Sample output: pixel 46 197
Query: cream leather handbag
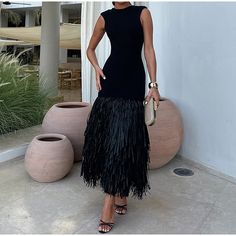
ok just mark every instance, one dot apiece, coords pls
pixel 150 112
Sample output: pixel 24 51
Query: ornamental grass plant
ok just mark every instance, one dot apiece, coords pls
pixel 22 102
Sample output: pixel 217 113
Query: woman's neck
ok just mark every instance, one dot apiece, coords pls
pixel 122 5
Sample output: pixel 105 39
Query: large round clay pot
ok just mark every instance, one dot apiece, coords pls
pixel 49 157
pixel 69 119
pixel 166 134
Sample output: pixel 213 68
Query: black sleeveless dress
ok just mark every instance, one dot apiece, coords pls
pixel 116 147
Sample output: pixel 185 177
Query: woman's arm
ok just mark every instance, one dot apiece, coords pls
pixel 97 35
pixel 149 52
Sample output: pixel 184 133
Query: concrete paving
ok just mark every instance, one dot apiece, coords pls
pixel 202 203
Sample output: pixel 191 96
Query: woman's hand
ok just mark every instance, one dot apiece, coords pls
pixel 153 92
pixel 99 73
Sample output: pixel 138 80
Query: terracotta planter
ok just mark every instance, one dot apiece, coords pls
pixel 69 119
pixel 166 134
pixel 49 157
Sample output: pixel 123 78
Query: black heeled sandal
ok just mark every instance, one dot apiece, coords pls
pixel 123 207
pixel 110 224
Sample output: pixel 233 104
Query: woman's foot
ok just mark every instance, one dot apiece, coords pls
pixel 121 205
pixel 107 218
pixel 103 226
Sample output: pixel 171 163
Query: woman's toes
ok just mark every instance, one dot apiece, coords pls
pixel 121 210
pixel 101 228
pixel 104 228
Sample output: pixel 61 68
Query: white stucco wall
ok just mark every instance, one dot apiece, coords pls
pixel 196 51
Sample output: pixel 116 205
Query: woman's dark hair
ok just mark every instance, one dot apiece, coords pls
pixel 113 3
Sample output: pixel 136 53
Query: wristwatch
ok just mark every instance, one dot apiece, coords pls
pixel 152 85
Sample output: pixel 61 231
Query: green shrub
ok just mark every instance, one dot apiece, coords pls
pixel 22 102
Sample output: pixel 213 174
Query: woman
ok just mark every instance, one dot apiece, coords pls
pixel 116 147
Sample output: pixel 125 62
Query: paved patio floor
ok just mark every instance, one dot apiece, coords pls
pixel 202 203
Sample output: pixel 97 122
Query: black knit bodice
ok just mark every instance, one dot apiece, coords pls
pixel 124 70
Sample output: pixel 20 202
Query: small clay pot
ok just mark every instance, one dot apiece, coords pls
pixel 49 157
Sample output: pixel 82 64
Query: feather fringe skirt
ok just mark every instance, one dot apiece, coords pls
pixel 116 147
